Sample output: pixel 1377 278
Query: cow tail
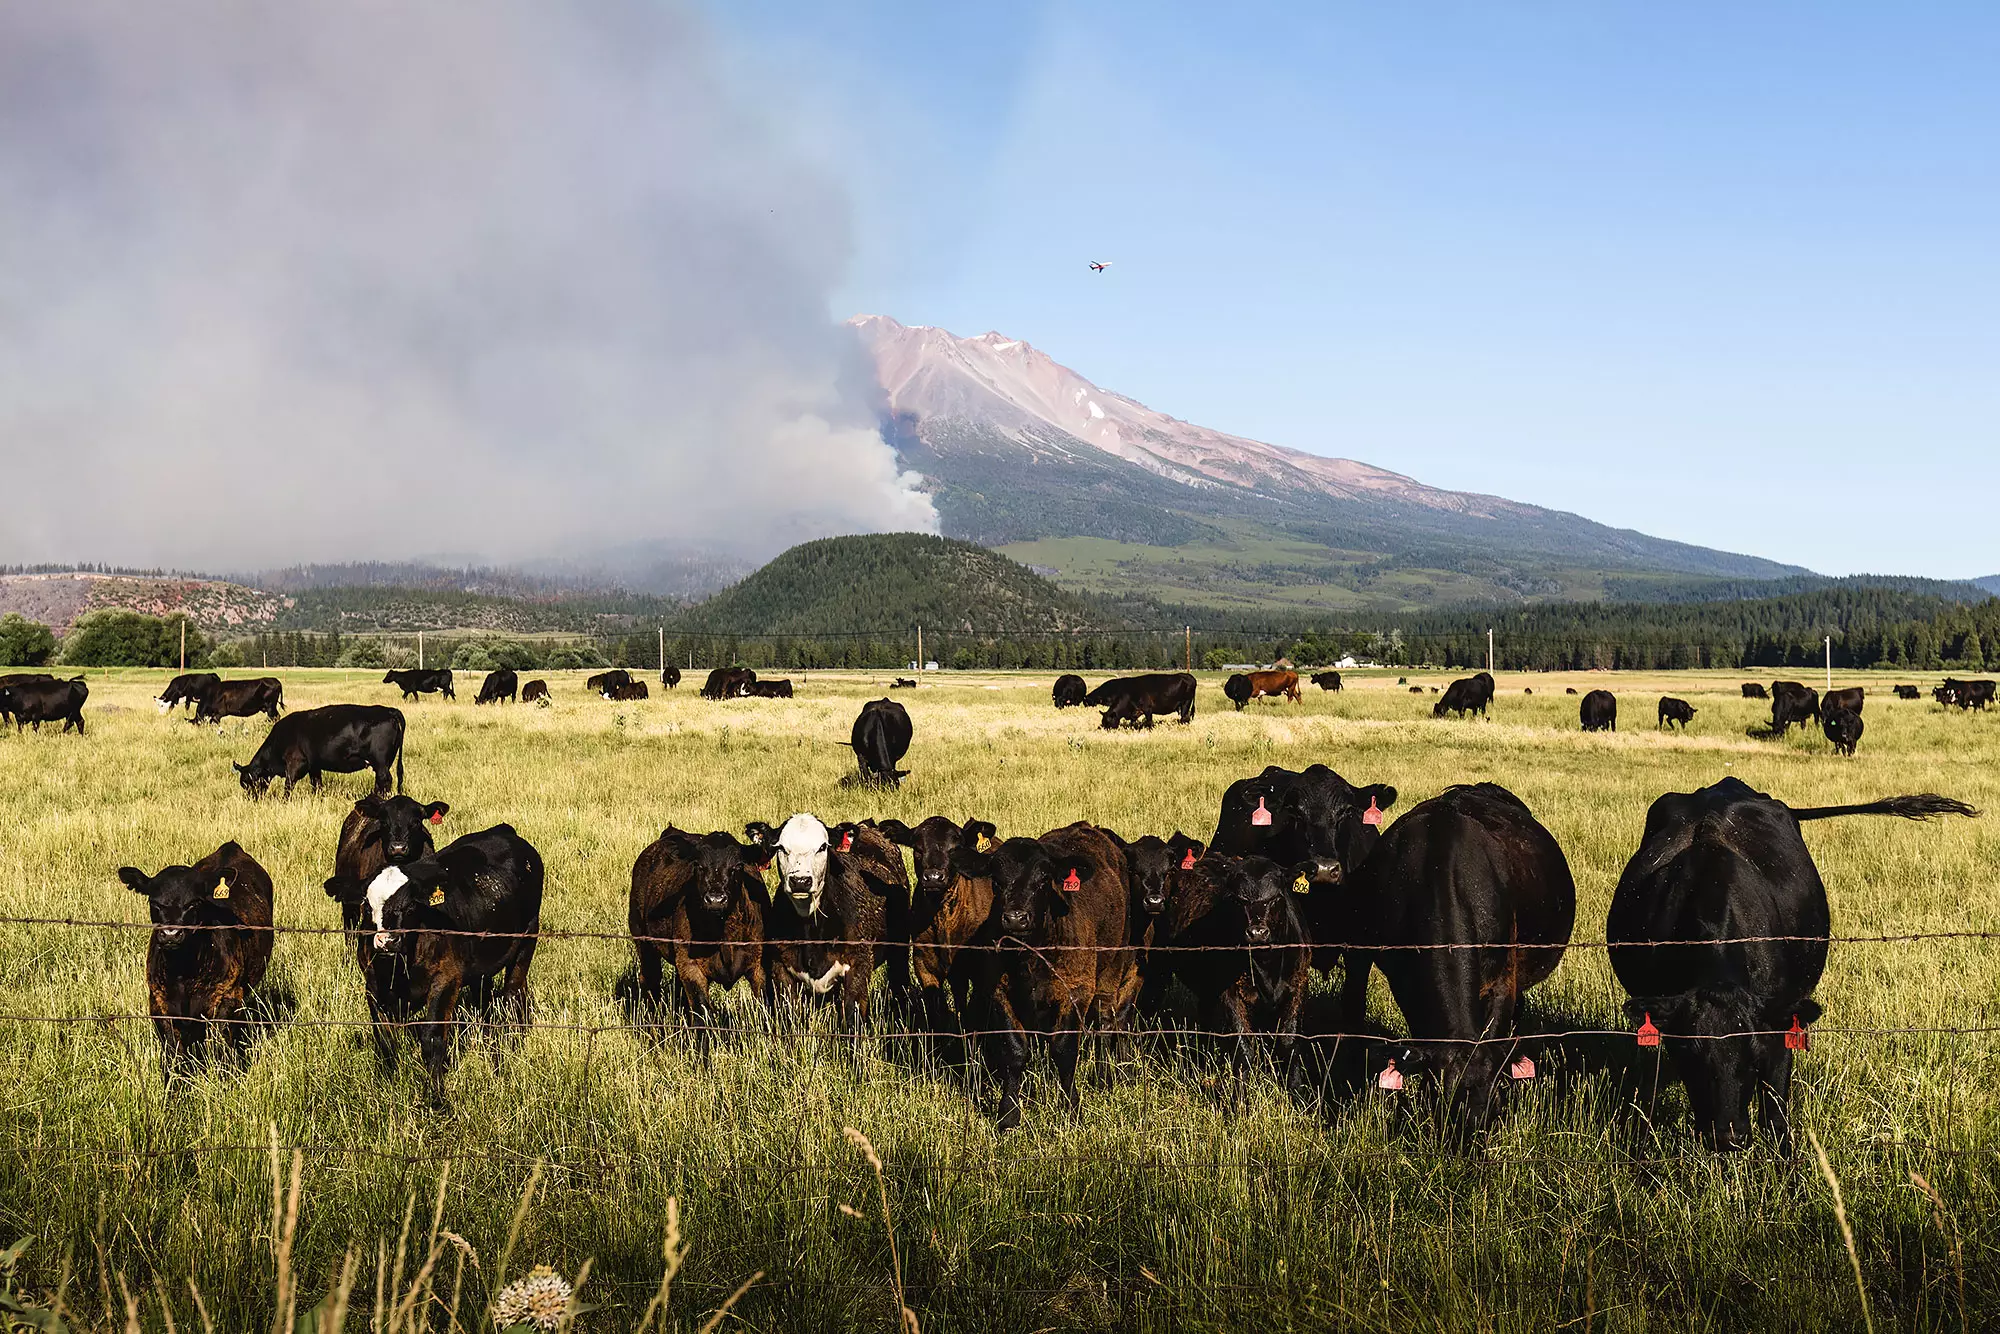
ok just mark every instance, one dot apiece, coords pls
pixel 1921 806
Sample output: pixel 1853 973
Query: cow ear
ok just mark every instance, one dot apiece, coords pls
pixel 1808 1011
pixel 756 855
pixel 1384 794
pixel 1077 867
pixel 895 831
pixel 841 837
pixel 760 833
pixel 979 833
pixel 972 863
pixel 436 811
pixel 1299 879
pixel 345 889
pixel 135 879
pixel 370 806
pixel 1116 841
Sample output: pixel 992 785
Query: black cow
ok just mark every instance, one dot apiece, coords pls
pixel 1471 866
pixel 880 738
pixel 1849 698
pixel 240 699
pixel 902 683
pixel 1599 711
pixel 422 681
pixel 1326 680
pixel 767 689
pixel 1468 694
pixel 1967 694
pixel 627 690
pixel 1906 692
pixel 1751 690
pixel 697 912
pixel 28 678
pixel 604 681
pixel 728 683
pixel 378 833
pixel 1569 690
pixel 210 946
pixel 48 701
pixel 183 689
pixel 501 683
pixel 1726 866
pixel 1069 690
pixel 335 738
pixel 670 676
pixel 1843 728
pixel 487 882
pixel 1154 868
pixel 1675 711
pixel 534 690
pixel 947 911
pixel 1792 702
pixel 1135 699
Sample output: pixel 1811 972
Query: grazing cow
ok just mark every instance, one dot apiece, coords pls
pixel 1246 686
pixel 48 701
pixel 902 683
pixel 627 690
pixel 827 926
pixel 670 676
pixel 1906 692
pixel 1792 703
pixel 1468 694
pixel 728 683
pixel 334 738
pixel 880 738
pixel 1471 866
pixel 1069 690
pixel 240 699
pixel 210 945
pixel 1751 690
pixel 1060 908
pixel 183 689
pixel 1135 699
pixel 778 689
pixel 948 910
pixel 1569 690
pixel 1527 690
pixel 534 690
pixel 488 882
pixel 698 906
pixel 1326 680
pixel 501 683
pixel 1154 868
pixel 378 833
pixel 1842 727
pixel 422 681
pixel 1726 866
pixel 1847 697
pixel 1599 711
pixel 604 681
pixel 1416 690
pixel 1675 711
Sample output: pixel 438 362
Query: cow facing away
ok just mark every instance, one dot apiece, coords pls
pixel 728 683
pixel 534 690
pixel 1470 867
pixel 1469 694
pixel 1725 868
pixel 1069 690
pixel 1792 702
pixel 1751 690
pixel 1843 728
pixel 1246 686
pixel 1675 711
pixel 422 681
pixel 50 701
pixel 1326 680
pixel 670 676
pixel 183 689
pixel 1906 692
pixel 880 738
pixel 1135 699
pixel 769 689
pixel 210 947
pixel 500 684
pixel 827 927
pixel 335 738
pixel 697 909
pixel 1599 711
pixel 240 699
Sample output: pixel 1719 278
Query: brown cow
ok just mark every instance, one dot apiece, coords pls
pixel 210 946
pixel 698 904
pixel 378 833
pixel 947 911
pixel 1060 910
pixel 628 691
pixel 1155 869
pixel 827 925
pixel 1246 686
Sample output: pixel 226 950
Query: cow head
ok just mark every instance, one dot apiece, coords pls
pixel 402 826
pixel 1320 817
pixel 1154 863
pixel 1032 881
pixel 722 866
pixel 254 777
pixel 388 678
pixel 402 900
pixel 932 845
pixel 1726 1046
pixel 1252 898
pixel 183 900
pixel 802 845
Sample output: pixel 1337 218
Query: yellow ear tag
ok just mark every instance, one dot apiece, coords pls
pixel 437 896
pixel 986 843
pixel 1301 885
pixel 221 890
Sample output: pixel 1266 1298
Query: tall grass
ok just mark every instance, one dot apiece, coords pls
pixel 1166 1204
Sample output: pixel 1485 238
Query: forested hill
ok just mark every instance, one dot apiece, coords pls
pixel 887 583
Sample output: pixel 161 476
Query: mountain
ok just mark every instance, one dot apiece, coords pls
pixel 1989 582
pixel 1024 454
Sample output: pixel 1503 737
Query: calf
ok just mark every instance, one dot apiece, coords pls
pixel 698 905
pixel 604 681
pixel 628 690
pixel 1726 867
pixel 501 683
pixel 335 738
pixel 948 911
pixel 533 691
pixel 1326 680
pixel 210 945
pixel 1842 727
pixel 1675 711
pixel 1847 697
pixel 1069 690
pixel 1906 692
pixel 183 689
pixel 1792 703
pixel 670 676
pixel 880 738
pixel 728 683
pixel 1470 694
pixel 1246 686
pixel 778 689
pixel 1470 866
pixel 378 833
pixel 827 924
pixel 448 921
pixel 48 701
pixel 1060 907
pixel 1599 711
pixel 240 699
pixel 421 681
pixel 1751 690
pixel 1154 869
pixel 1135 699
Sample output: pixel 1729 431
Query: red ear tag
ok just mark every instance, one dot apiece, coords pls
pixel 1187 860
pixel 437 817
pixel 1391 1078
pixel 1070 883
pixel 1523 1068
pixel 1798 1039
pixel 1260 816
pixel 1373 815
pixel 1649 1036
pixel 846 839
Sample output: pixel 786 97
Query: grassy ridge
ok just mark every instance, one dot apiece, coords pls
pixel 1161 1207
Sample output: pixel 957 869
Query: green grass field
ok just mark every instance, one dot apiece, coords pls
pixel 1163 1206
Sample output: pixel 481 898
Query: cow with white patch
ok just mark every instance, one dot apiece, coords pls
pixel 827 926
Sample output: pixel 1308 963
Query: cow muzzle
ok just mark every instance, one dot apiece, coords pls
pixel 171 936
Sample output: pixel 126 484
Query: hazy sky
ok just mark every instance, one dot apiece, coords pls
pixel 1725 273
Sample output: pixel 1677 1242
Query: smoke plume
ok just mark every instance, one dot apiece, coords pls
pixel 289 282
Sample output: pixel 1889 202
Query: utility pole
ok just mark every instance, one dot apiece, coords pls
pixel 184 644
pixel 1829 662
pixel 663 650
pixel 420 650
pixel 1187 643
pixel 1489 648
pixel 920 649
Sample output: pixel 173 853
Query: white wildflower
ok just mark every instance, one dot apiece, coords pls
pixel 539 1301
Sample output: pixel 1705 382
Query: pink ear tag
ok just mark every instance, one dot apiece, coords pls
pixel 1523 1068
pixel 1391 1078
pixel 1649 1036
pixel 1373 815
pixel 1260 816
pixel 1070 883
pixel 1798 1039
pixel 1187 860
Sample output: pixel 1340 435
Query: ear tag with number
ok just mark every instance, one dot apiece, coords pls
pixel 1649 1036
pixel 437 896
pixel 1798 1039
pixel 1301 885
pixel 1187 860
pixel 986 843
pixel 1260 816
pixel 846 840
pixel 1391 1078
pixel 1373 815
pixel 1070 882
pixel 221 890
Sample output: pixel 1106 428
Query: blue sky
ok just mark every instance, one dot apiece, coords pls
pixel 1724 273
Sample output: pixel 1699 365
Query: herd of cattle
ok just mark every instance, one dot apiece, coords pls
pixel 1718 931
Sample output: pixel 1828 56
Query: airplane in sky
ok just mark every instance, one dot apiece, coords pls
pixel 1099 265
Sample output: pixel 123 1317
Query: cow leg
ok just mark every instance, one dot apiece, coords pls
pixel 1230 1019
pixel 650 995
pixel 289 782
pixel 1007 1055
pixel 436 1030
pixel 693 987
pixel 173 1047
pixel 1355 966
pixel 514 989
pixel 942 1031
